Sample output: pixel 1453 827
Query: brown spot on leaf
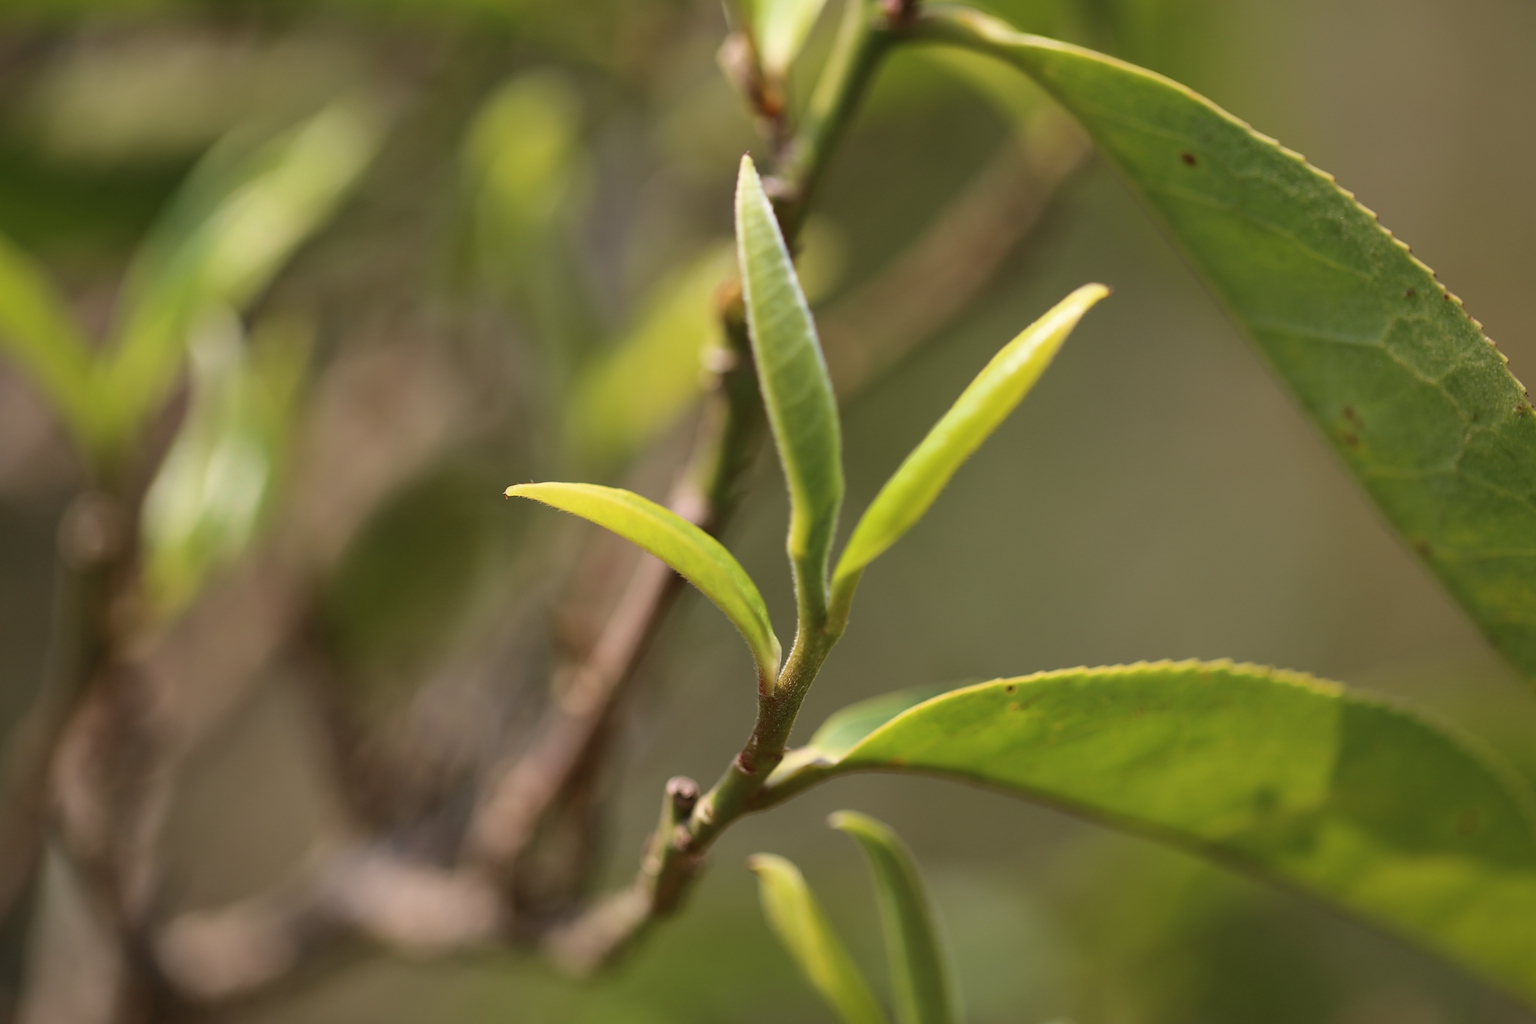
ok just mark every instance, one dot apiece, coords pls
pixel 1013 705
pixel 1422 547
pixel 1350 438
pixel 1188 158
pixel 1009 688
pixel 1410 293
pixel 1468 822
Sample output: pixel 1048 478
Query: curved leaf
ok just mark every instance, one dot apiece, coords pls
pixel 232 229
pixel 1410 393
pixel 797 919
pixel 979 410
pixel 694 554
pixel 38 332
pixel 797 392
pixel 780 28
pixel 1362 804
pixel 919 977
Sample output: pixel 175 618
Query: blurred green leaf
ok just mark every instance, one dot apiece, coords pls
pixel 1413 397
pixel 797 392
pixel 41 335
pixel 232 229
pixel 798 920
pixel 631 393
pixel 206 501
pixel 780 28
pixel 694 554
pixel 919 976
pixel 524 153
pixel 1362 804
pixel 979 410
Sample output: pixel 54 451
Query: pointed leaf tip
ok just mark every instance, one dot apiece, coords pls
pixel 797 393
pixel 797 919
pixel 693 554
pixel 979 410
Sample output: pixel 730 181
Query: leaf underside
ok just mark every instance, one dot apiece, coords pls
pixel 1357 802
pixel 797 392
pixel 1413 397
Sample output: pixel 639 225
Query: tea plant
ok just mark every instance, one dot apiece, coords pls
pixel 1369 807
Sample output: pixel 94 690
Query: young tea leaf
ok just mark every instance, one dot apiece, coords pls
pixel 229 233
pixel 694 554
pixel 1362 804
pixel 780 28
pixel 979 410
pixel 1417 402
pixel 797 919
pixel 38 332
pixel 797 392
pixel 919 976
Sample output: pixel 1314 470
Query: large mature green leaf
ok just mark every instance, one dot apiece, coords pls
pixel 797 392
pixel 780 28
pixel 1363 804
pixel 235 225
pixel 919 975
pixel 694 554
pixel 979 410
pixel 800 924
pixel 1411 394
pixel 37 331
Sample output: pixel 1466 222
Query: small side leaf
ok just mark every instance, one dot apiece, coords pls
pixel 37 331
pixel 694 554
pixel 979 410
pixel 919 976
pixel 797 919
pixel 780 29
pixel 1366 806
pixel 234 226
pixel 797 392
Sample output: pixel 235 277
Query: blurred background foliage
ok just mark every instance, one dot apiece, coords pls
pixel 541 231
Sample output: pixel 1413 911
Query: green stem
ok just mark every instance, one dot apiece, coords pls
pixel 862 40
pixel 675 853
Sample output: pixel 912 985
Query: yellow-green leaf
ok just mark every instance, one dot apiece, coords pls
pixel 798 920
pixel 1362 804
pixel 979 410
pixel 797 392
pixel 694 554
pixel 919 975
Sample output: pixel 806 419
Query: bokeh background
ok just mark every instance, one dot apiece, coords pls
pixel 1157 495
